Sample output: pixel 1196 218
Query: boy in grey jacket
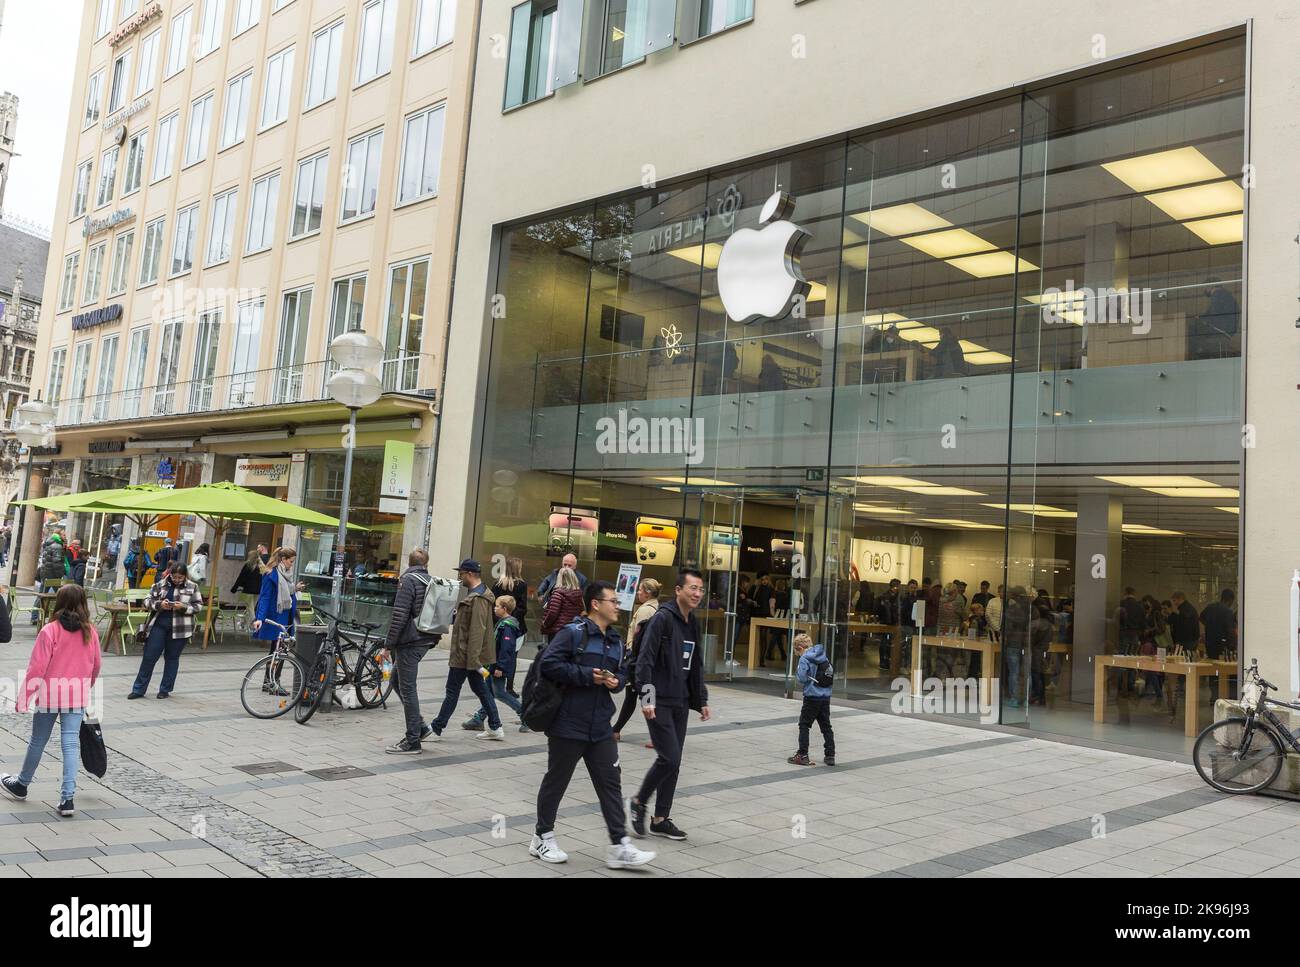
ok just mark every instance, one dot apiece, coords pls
pixel 816 700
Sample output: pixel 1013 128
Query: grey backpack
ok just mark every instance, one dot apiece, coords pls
pixel 440 595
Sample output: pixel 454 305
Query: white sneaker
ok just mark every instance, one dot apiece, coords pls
pixel 625 855
pixel 494 735
pixel 546 849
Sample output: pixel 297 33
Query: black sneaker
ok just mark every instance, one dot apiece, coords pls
pixel 14 788
pixel 404 747
pixel 425 733
pixel 638 819
pixel 666 829
pixel 66 808
pixel 136 695
pixel 828 760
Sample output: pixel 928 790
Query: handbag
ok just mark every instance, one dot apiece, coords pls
pixel 94 754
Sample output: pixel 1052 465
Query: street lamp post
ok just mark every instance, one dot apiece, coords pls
pixel 33 425
pixel 355 386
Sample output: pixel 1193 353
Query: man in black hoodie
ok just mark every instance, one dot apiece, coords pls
pixel 670 672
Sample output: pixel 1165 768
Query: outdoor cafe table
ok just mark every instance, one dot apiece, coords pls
pixel 1194 671
pixel 46 601
pixel 116 612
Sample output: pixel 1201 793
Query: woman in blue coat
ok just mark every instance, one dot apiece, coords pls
pixel 278 600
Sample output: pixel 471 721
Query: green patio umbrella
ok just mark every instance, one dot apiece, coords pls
pixel 218 504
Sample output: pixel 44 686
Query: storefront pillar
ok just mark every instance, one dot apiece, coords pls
pixel 297 492
pixel 1098 584
pixel 416 532
pixel 32 518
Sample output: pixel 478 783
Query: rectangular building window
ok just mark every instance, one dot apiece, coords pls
pixel 169 357
pixel 80 381
pixel 135 149
pixel 323 71
pixel 119 84
pixel 94 273
pixel 292 348
pixel 81 189
pixel 103 17
pixel 544 39
pixel 107 176
pixel 717 15
pixel 129 7
pixel 137 355
pixel 120 277
pixel 375 52
pixel 246 354
pixel 104 377
pixel 408 285
pixel 275 95
pixel 187 223
pixel 151 251
pixel 94 92
pixel 214 19
pixel 178 43
pixel 421 155
pixel 54 384
pixel 346 307
pixel 144 78
pixel 206 337
pixel 247 14
pixel 261 213
pixel 196 138
pixel 221 231
pixel 309 195
pixel 164 152
pixel 361 176
pixel 68 285
pixel 434 21
pixel 234 117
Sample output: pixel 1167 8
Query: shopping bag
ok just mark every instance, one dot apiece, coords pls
pixel 94 754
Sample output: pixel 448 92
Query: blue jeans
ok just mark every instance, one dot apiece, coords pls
pixel 502 695
pixel 69 741
pixel 456 677
pixel 162 645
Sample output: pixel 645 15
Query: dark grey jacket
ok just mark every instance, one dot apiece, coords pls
pixel 402 631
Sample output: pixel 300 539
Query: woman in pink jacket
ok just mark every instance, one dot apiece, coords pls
pixel 62 671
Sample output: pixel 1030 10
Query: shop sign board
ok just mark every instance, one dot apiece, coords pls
pixel 255 472
pixel 395 485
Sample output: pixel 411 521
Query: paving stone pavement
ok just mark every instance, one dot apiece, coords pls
pixel 909 797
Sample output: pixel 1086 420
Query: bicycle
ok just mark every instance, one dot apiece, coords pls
pixel 1245 754
pixel 343 661
pixel 264 692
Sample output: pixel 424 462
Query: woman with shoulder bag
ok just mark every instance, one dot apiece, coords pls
pixel 174 600
pixel 647 599
pixel 249 584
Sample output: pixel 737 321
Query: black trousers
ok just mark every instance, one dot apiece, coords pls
pixel 406 668
pixel 631 699
pixel 602 766
pixel 816 710
pixel 668 733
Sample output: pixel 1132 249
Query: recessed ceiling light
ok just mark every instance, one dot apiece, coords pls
pixel 697 481
pixel 954 522
pixel 1193 491
pixel 1150 531
pixel 991 264
pixel 949 244
pixel 1158 481
pixel 1223 230
pixel 892 481
pixel 1200 200
pixel 902 219
pixel 935 491
pixel 712 251
pixel 1164 169
pixel 1229 510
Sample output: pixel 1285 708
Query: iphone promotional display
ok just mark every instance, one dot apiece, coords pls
pixel 721 548
pixel 572 530
pixel 656 540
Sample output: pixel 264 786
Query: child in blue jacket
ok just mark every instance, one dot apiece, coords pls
pixel 509 634
pixel 813 664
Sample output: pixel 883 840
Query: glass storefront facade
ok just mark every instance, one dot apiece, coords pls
pixel 1018 361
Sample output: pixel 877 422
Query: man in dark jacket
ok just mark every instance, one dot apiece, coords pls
pixel 408 644
pixel 670 672
pixel 1220 625
pixel 586 657
pixel 548 583
pixel 1184 623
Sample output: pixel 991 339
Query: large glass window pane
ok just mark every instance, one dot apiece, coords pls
pixel 375 51
pixel 136 357
pixel 246 354
pixel 291 352
pixel 309 196
pixel 261 214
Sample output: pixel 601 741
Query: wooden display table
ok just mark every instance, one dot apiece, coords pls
pixel 1193 671
pixel 895 640
pixel 987 649
pixel 782 624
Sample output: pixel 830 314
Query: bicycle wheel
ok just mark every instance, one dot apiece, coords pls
pixel 348 657
pixel 1236 757
pixel 272 686
pixel 313 689
pixel 373 687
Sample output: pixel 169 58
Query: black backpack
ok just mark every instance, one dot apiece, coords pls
pixel 541 698
pixel 825 674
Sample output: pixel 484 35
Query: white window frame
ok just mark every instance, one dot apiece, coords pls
pixel 263 199
pixel 104 378
pixel 435 14
pixel 427 116
pixel 397 361
pixel 96 259
pixel 94 93
pixel 104 18
pixel 120 82
pixel 137 365
pixel 154 236
pixel 248 14
pixel 53 384
pixel 239 92
pixel 203 374
pixel 196 141
pixel 148 70
pixel 178 43
pixel 169 364
pixel 68 281
pixel 246 352
pixel 325 77
pixel 211 25
pixel 319 164
pixel 137 148
pixel 381 29
pixel 277 89
pixel 221 227
pixel 82 183
pixel 278 5
pixel 119 278
pixel 107 183
pixel 129 7
pixel 290 370
pixel 355 186
pixel 183 241
pixel 165 148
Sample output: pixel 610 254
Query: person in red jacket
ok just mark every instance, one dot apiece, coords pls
pixel 564 603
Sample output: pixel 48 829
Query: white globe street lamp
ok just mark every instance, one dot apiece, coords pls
pixel 354 386
pixel 33 425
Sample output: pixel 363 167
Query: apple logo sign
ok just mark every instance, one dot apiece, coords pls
pixel 758 271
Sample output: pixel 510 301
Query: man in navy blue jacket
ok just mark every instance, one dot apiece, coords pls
pixel 586 658
pixel 670 673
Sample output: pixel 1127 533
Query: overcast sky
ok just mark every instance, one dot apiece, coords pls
pixel 38 45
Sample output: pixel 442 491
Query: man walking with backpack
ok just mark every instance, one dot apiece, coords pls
pixel 407 645
pixel 574 679
pixel 473 647
pixel 670 673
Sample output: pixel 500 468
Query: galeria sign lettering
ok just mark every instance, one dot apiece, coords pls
pixel 134 24
pixel 97 317
pixel 93 226
pixel 130 111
